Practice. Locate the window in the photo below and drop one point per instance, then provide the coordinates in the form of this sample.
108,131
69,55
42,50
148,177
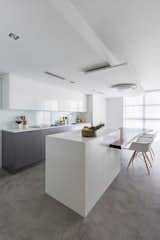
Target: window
152,98
142,111
133,112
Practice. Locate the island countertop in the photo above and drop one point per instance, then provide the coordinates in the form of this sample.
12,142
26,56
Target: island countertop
77,135
115,138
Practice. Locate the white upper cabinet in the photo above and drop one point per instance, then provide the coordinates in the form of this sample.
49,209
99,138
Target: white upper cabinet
73,104
28,94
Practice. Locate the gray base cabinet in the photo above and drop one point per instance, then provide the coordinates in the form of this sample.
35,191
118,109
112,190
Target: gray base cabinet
20,150
23,149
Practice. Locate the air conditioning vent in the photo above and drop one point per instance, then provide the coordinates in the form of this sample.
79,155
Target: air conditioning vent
101,66
124,86
96,67
54,75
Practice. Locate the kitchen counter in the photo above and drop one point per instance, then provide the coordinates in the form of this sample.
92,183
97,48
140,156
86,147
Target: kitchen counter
25,147
79,170
17,130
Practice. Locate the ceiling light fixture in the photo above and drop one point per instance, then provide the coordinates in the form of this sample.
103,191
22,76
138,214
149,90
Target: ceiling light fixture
124,86
13,36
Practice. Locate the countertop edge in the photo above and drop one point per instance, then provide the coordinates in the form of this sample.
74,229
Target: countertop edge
29,129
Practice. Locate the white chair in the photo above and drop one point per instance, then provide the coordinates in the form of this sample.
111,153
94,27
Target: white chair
150,138
143,148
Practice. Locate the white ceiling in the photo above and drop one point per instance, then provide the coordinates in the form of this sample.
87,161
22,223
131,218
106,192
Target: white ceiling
131,30
65,36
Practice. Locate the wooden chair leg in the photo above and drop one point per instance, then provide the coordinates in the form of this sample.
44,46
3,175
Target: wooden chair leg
151,155
136,153
148,159
152,152
131,159
146,163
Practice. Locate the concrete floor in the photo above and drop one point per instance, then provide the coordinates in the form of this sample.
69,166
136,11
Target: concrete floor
128,210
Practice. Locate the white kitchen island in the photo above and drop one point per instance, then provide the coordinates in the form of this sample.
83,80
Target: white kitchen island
79,170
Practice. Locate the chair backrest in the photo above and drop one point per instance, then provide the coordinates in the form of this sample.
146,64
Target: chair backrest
149,135
140,147
144,140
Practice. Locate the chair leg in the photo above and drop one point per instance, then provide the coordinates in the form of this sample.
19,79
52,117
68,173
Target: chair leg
131,159
148,159
153,152
151,155
146,163
135,156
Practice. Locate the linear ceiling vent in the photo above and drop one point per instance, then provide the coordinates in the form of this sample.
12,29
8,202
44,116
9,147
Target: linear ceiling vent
101,66
124,86
96,67
54,75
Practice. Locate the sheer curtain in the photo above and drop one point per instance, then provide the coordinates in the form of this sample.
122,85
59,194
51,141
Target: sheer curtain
142,111
152,110
133,112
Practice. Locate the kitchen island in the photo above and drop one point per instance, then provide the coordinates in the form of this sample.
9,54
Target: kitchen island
79,170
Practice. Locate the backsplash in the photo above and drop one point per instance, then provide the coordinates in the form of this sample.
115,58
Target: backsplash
7,117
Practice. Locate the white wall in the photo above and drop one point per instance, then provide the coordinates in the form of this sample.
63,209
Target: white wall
96,109
114,112
89,114
99,109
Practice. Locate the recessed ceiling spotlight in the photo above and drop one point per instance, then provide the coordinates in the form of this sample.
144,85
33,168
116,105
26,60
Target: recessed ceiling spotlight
72,82
13,36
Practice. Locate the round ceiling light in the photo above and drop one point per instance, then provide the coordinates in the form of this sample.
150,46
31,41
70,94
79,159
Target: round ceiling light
124,86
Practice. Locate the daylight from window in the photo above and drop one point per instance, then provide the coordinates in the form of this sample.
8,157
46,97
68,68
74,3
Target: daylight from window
142,111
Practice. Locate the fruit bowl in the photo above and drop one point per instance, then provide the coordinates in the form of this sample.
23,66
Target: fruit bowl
91,131
88,132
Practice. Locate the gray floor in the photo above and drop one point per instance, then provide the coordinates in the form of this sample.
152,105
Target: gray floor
129,209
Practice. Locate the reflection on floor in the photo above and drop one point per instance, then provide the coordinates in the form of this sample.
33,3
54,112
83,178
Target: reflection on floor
129,209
